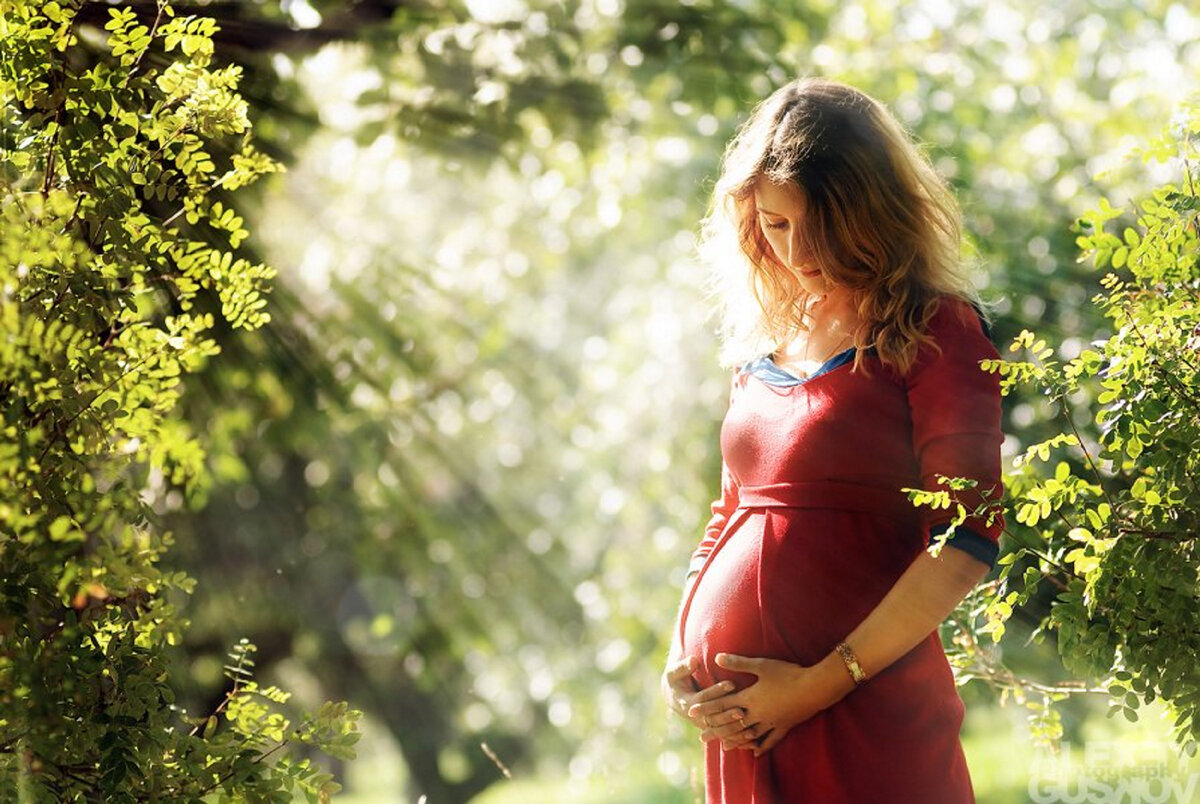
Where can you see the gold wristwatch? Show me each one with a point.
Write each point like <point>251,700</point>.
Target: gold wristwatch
<point>856,672</point>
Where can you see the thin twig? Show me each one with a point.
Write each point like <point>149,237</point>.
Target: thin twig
<point>1161,534</point>
<point>182,210</point>
<point>487,749</point>
<point>51,152</point>
<point>1160,369</point>
<point>62,428</point>
<point>1009,679</point>
<point>1086,454</point>
<point>1038,553</point>
<point>1001,677</point>
<point>221,779</point>
<point>153,30</point>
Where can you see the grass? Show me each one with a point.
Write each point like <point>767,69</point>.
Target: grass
<point>1116,762</point>
<point>1110,764</point>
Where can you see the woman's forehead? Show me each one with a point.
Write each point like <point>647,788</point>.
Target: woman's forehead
<point>784,198</point>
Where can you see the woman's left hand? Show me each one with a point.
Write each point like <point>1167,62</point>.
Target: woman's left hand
<point>785,695</point>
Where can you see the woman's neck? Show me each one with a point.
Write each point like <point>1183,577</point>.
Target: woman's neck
<point>835,306</point>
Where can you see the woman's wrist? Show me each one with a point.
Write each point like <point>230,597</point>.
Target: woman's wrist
<point>834,677</point>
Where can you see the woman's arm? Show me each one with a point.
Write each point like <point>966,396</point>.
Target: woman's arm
<point>917,604</point>
<point>787,694</point>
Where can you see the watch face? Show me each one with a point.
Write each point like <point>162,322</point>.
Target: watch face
<point>856,671</point>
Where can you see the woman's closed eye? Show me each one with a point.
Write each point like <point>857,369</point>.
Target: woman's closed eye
<point>775,224</point>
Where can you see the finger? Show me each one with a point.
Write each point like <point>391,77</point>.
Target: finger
<point>728,724</point>
<point>681,669</point>
<point>721,725</point>
<point>712,693</point>
<point>679,705</point>
<point>679,698</point>
<point>736,743</point>
<point>725,731</point>
<point>744,736</point>
<point>702,705</point>
<point>755,735</point>
<point>771,740</point>
<point>708,709</point>
<point>745,664</point>
<point>734,730</point>
<point>680,689</point>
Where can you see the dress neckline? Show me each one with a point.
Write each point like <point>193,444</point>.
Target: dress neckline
<point>769,372</point>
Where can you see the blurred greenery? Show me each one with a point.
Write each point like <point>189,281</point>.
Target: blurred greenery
<point>460,471</point>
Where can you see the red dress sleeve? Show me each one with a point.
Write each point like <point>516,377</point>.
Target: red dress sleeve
<point>722,508</point>
<point>955,407</point>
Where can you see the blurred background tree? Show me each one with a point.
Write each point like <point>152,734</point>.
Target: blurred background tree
<point>461,469</point>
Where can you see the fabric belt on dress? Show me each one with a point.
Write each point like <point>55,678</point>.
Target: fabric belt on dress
<point>867,499</point>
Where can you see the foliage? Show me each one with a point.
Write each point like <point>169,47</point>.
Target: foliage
<point>117,266</point>
<point>1113,526</point>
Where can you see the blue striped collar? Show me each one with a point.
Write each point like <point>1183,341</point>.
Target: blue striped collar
<point>765,369</point>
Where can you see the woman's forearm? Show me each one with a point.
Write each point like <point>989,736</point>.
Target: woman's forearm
<point>920,600</point>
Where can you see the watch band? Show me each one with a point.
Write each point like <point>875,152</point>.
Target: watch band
<point>856,672</point>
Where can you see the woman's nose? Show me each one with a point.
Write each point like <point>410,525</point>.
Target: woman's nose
<point>795,251</point>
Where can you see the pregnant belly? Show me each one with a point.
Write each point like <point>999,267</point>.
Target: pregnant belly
<point>725,613</point>
<point>789,584</point>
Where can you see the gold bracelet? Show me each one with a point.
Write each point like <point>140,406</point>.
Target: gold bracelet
<point>856,671</point>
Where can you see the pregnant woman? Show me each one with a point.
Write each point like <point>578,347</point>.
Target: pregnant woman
<point>807,649</point>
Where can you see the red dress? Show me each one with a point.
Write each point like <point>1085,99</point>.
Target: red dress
<point>810,533</point>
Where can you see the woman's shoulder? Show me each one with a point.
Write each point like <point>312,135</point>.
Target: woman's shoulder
<point>958,337</point>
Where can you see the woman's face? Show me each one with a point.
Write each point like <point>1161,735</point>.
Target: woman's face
<point>780,211</point>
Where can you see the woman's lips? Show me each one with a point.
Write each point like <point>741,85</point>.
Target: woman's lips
<point>812,273</point>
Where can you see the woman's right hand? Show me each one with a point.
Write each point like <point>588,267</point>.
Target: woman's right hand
<point>682,694</point>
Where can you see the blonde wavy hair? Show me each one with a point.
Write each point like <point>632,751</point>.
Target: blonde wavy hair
<point>878,220</point>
